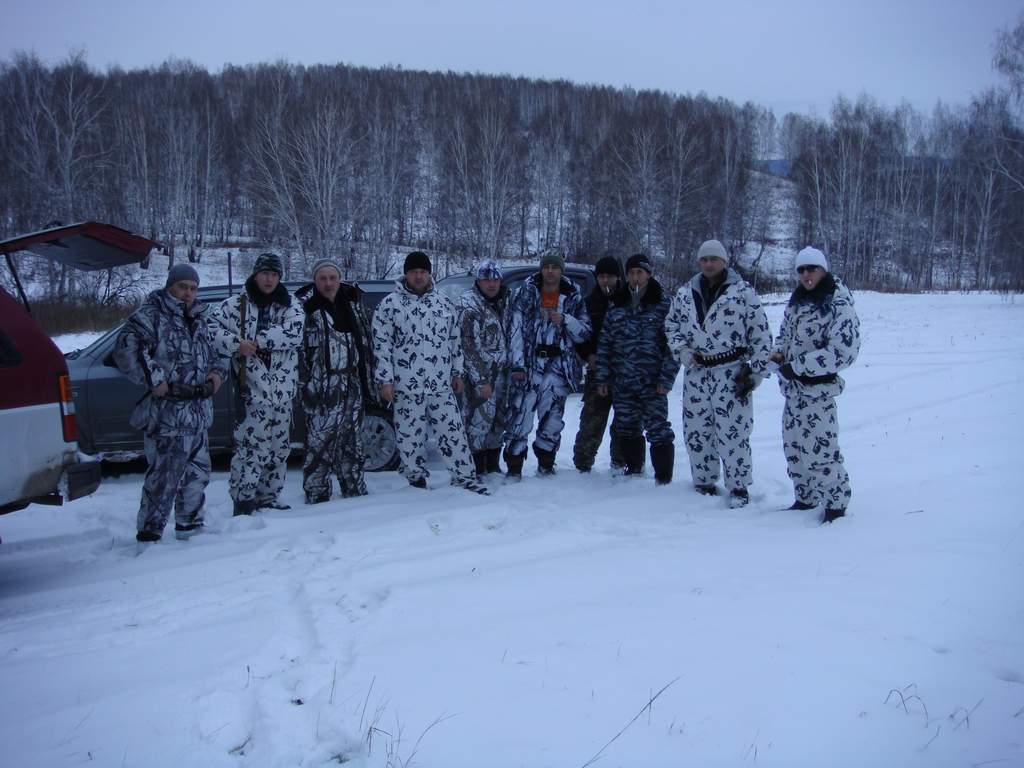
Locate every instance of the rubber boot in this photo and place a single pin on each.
(480, 464)
(663, 458)
(633, 454)
(545, 461)
(493, 463)
(832, 514)
(514, 466)
(244, 507)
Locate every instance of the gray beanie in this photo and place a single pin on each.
(321, 263)
(181, 272)
(711, 248)
(810, 257)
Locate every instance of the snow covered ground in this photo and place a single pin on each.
(535, 628)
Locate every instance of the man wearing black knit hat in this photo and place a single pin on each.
(260, 330)
(594, 416)
(416, 338)
(637, 368)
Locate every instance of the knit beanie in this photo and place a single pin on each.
(488, 269)
(181, 272)
(608, 265)
(268, 262)
(809, 257)
(416, 260)
(553, 258)
(711, 248)
(638, 260)
(321, 263)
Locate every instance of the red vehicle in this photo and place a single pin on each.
(40, 461)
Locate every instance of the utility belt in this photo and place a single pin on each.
(828, 378)
(548, 350)
(710, 361)
(202, 391)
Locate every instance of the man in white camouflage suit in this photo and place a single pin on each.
(719, 332)
(165, 347)
(820, 336)
(416, 338)
(485, 323)
(336, 380)
(260, 330)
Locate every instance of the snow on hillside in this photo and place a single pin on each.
(567, 619)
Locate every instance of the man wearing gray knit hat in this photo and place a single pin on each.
(260, 330)
(718, 331)
(165, 347)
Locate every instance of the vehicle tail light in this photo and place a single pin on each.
(67, 410)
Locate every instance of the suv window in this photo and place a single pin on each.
(9, 354)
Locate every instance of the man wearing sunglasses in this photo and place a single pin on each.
(820, 336)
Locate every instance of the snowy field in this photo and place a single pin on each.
(566, 622)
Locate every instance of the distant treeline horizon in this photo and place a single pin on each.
(349, 162)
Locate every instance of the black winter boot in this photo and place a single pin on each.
(738, 497)
(514, 466)
(800, 506)
(633, 454)
(480, 463)
(419, 482)
(706, 490)
(493, 463)
(244, 507)
(545, 461)
(832, 514)
(663, 458)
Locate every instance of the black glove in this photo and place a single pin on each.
(786, 372)
(744, 381)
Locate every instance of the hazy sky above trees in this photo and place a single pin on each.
(790, 55)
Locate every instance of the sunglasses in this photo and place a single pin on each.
(806, 268)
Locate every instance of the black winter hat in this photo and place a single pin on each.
(416, 260)
(268, 262)
(641, 261)
(608, 265)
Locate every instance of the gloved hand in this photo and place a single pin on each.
(786, 372)
(745, 382)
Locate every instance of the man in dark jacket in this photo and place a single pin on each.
(165, 346)
(594, 416)
(636, 366)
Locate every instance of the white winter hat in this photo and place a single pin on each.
(711, 248)
(810, 257)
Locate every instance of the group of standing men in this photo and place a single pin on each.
(478, 374)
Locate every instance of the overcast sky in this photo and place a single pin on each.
(790, 55)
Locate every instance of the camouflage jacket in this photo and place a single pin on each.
(529, 330)
(632, 351)
(416, 340)
(161, 342)
(271, 375)
(336, 345)
(820, 336)
(734, 320)
(485, 328)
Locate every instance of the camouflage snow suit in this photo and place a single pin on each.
(594, 416)
(485, 325)
(164, 342)
(547, 354)
(633, 359)
(263, 415)
(820, 336)
(725, 328)
(336, 382)
(416, 340)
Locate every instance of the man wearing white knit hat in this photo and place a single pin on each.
(820, 336)
(717, 329)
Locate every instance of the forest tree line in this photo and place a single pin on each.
(351, 163)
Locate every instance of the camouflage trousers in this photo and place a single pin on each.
(261, 450)
(717, 426)
(810, 439)
(485, 419)
(637, 414)
(593, 420)
(414, 412)
(545, 395)
(178, 473)
(334, 445)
